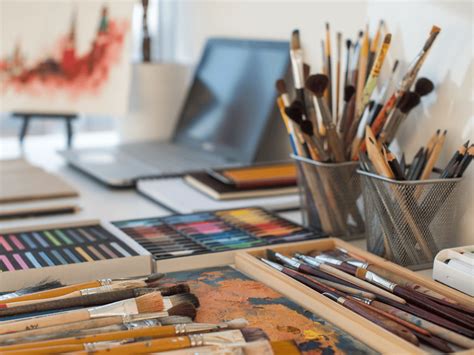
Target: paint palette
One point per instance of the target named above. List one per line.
(211, 232)
(50, 251)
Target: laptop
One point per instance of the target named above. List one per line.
(227, 110)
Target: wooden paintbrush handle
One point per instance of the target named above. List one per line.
(145, 347)
(154, 332)
(41, 322)
(382, 321)
(55, 292)
(65, 303)
(444, 311)
(58, 329)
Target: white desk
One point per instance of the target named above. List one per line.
(96, 200)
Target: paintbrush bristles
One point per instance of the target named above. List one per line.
(295, 40)
(317, 84)
(149, 303)
(184, 310)
(424, 86)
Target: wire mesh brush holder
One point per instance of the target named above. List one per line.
(409, 222)
(331, 197)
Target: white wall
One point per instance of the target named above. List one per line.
(449, 65)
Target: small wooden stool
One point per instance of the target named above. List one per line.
(27, 116)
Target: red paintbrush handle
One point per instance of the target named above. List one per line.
(424, 302)
(382, 321)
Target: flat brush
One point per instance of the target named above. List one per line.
(60, 291)
(317, 84)
(91, 299)
(186, 310)
(158, 331)
(296, 55)
(182, 342)
(152, 302)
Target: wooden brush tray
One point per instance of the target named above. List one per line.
(366, 331)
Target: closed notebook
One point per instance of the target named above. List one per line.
(221, 191)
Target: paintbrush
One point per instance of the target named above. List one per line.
(423, 335)
(295, 147)
(158, 331)
(295, 113)
(308, 131)
(98, 299)
(345, 289)
(409, 101)
(405, 293)
(338, 75)
(374, 45)
(352, 305)
(284, 347)
(435, 329)
(124, 285)
(41, 286)
(374, 74)
(317, 84)
(304, 268)
(342, 124)
(399, 279)
(312, 262)
(80, 286)
(173, 343)
(296, 55)
(348, 61)
(382, 96)
(183, 310)
(329, 67)
(353, 150)
(152, 302)
(414, 297)
(362, 72)
(424, 86)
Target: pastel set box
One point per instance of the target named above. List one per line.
(81, 251)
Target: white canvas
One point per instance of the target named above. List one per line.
(65, 56)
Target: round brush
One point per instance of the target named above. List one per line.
(342, 124)
(424, 86)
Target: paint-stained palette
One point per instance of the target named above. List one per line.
(59, 246)
(215, 231)
(225, 294)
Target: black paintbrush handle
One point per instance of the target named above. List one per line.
(81, 301)
(318, 273)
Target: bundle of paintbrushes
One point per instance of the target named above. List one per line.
(411, 212)
(415, 313)
(325, 129)
(138, 315)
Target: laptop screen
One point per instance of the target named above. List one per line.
(232, 97)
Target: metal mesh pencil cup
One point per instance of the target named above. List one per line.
(331, 197)
(408, 222)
